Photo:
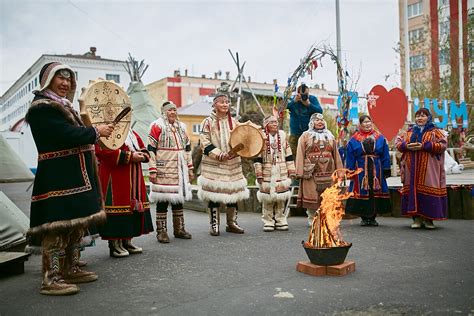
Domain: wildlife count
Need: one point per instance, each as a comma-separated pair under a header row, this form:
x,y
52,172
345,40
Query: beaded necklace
x,y
276,147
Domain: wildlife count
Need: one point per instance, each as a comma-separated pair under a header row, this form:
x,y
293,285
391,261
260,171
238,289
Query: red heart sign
x,y
388,110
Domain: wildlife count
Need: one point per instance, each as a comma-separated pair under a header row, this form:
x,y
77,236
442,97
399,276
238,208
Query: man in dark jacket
x,y
301,107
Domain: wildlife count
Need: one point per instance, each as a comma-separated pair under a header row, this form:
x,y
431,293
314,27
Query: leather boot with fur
x,y
178,225
72,273
131,248
161,228
116,250
214,220
232,226
52,283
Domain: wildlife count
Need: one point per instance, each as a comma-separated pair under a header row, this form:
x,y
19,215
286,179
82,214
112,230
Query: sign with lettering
x,y
445,111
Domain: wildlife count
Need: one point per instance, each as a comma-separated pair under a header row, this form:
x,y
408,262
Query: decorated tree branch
x,y
308,64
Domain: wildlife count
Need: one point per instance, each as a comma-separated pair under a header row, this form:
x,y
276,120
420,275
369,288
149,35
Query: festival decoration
x,y
388,109
310,62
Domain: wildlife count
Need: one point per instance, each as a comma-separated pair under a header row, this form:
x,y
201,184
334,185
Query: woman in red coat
x,y
125,197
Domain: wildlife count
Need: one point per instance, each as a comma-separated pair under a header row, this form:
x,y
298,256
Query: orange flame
x,y
325,230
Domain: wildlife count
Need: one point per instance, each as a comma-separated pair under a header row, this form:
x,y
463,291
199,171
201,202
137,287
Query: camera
x,y
303,88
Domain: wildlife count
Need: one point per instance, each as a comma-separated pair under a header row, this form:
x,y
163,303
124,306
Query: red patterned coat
x,y
124,191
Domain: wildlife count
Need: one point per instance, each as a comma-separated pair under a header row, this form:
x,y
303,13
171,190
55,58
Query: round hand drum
x,y
100,103
249,137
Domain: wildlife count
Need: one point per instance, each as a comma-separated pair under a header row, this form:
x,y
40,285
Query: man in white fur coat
x,y
274,169
221,179
171,170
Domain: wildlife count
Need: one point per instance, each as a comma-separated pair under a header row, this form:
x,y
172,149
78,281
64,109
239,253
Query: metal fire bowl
x,y
327,256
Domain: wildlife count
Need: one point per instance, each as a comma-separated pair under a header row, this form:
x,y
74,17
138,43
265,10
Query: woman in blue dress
x,y
368,149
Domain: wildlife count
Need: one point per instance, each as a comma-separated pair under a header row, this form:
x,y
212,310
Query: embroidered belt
x,y
316,156
65,152
371,156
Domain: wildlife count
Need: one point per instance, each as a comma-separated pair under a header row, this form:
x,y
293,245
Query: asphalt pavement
x,y
399,271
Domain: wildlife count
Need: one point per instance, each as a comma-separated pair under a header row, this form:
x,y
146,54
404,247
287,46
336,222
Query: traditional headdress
x,y
218,96
277,147
320,134
268,120
313,118
168,105
50,70
222,91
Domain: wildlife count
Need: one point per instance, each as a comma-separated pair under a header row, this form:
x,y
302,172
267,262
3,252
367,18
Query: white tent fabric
x,y
13,223
12,168
144,110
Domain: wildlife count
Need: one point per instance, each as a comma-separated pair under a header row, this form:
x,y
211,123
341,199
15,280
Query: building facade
x,y
15,101
192,116
184,90
434,45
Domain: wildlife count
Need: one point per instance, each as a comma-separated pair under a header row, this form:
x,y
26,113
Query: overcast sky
x,y
271,36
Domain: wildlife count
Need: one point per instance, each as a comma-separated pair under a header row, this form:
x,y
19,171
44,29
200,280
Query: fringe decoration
x,y
365,179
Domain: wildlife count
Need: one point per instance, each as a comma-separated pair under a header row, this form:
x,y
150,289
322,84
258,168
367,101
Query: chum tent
x,y
12,167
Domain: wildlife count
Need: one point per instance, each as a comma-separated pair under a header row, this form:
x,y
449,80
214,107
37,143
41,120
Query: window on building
x,y
443,3
417,62
444,56
76,75
444,28
414,9
415,35
196,129
36,81
113,77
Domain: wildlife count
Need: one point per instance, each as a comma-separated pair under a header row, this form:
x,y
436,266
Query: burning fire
x,y
325,232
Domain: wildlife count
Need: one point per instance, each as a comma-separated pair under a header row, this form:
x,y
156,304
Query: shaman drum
x,y
247,140
100,103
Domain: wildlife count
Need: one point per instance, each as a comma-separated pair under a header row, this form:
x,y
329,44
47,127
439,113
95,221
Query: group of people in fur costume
x,y
102,191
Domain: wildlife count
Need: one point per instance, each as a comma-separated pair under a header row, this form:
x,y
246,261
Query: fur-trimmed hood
x,y
40,101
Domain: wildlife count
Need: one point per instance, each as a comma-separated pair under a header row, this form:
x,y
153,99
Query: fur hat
x,y
49,70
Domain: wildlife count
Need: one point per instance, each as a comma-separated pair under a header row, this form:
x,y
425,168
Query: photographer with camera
x,y
301,107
